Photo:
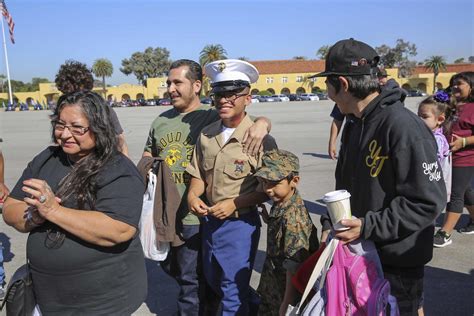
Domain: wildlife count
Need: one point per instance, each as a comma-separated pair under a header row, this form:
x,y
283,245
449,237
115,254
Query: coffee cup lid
x,y
336,196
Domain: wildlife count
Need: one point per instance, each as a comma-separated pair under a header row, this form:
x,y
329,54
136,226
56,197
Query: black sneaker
x,y
442,239
469,229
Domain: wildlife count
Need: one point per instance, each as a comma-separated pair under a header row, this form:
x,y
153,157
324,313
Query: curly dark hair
x,y
74,76
82,181
467,76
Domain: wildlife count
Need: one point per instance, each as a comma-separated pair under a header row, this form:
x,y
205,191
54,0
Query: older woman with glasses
x,y
80,201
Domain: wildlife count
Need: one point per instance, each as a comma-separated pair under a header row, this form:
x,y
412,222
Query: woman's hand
x,y
41,197
3,192
457,143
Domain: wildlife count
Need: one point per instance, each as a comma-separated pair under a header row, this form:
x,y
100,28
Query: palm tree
x,y
309,82
435,64
102,67
212,53
209,54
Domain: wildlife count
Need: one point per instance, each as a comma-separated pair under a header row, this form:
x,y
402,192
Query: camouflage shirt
x,y
291,238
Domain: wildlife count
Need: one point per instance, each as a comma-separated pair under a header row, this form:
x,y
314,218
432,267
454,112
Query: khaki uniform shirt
x,y
224,168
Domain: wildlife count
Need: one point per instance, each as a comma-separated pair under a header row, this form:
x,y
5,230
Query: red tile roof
x,y
456,68
288,66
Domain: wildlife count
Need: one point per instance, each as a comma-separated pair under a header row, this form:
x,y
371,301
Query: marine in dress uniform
x,y
220,169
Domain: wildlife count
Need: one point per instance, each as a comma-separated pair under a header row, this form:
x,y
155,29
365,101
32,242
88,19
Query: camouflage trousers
x,y
272,287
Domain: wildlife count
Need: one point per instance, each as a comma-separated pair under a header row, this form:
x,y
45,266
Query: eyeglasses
x,y
229,96
75,130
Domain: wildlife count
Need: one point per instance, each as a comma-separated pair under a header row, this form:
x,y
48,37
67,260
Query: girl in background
x,y
461,136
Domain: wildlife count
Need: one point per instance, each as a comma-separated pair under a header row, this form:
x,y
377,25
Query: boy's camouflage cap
x,y
277,164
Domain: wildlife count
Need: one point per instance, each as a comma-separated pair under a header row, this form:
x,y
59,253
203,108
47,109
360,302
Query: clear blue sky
x,y
48,32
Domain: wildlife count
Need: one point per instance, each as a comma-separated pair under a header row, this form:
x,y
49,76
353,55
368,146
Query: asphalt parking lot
x,y
300,127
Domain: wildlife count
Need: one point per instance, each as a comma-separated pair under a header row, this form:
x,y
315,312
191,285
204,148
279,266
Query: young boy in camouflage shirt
x,y
291,235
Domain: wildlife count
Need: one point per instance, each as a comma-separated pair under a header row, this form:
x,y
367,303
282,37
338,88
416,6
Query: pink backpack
x,y
354,286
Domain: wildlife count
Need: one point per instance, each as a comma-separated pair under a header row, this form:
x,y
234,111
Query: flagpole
x,y
6,62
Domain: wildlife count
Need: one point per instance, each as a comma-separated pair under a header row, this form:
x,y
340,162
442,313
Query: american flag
x,y
8,18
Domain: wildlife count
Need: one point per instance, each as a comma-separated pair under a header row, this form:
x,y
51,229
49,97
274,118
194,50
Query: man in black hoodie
x,y
388,164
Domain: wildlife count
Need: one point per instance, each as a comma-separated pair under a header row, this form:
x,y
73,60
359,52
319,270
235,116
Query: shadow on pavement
x,y
162,290
317,207
448,292
6,245
323,156
463,220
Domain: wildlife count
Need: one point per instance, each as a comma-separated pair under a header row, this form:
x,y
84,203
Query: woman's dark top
x,y
79,278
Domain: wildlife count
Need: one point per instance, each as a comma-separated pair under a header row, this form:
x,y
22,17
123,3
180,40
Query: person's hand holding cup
x,y
338,204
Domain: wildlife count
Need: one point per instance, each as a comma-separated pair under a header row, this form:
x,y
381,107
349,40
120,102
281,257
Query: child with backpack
x,y
291,235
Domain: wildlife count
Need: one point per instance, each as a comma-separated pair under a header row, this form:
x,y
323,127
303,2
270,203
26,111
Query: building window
x,y
299,78
284,79
269,79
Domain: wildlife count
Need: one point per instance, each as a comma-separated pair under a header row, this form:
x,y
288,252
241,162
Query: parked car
x,y
282,97
164,101
125,103
150,102
415,93
309,97
255,99
294,97
267,98
205,100
134,103
141,102
322,96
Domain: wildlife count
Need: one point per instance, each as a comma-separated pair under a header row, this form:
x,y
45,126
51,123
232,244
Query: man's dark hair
x,y
359,86
74,76
194,72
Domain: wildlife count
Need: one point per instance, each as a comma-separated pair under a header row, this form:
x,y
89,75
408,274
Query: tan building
x,y
276,76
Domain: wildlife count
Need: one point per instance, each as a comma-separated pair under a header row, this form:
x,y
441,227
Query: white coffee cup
x,y
338,204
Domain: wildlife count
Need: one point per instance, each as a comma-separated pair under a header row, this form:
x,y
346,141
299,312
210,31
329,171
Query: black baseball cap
x,y
350,58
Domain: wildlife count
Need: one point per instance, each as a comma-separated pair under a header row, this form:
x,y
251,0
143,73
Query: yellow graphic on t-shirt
x,y
173,154
374,161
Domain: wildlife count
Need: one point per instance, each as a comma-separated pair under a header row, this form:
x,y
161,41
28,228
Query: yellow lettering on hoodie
x,y
374,161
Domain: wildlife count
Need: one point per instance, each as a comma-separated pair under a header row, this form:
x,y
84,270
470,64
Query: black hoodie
x,y
388,163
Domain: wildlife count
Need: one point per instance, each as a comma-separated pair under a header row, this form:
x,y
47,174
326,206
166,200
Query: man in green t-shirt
x,y
172,137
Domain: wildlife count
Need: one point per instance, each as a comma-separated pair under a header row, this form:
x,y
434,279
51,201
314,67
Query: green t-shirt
x,y
172,137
